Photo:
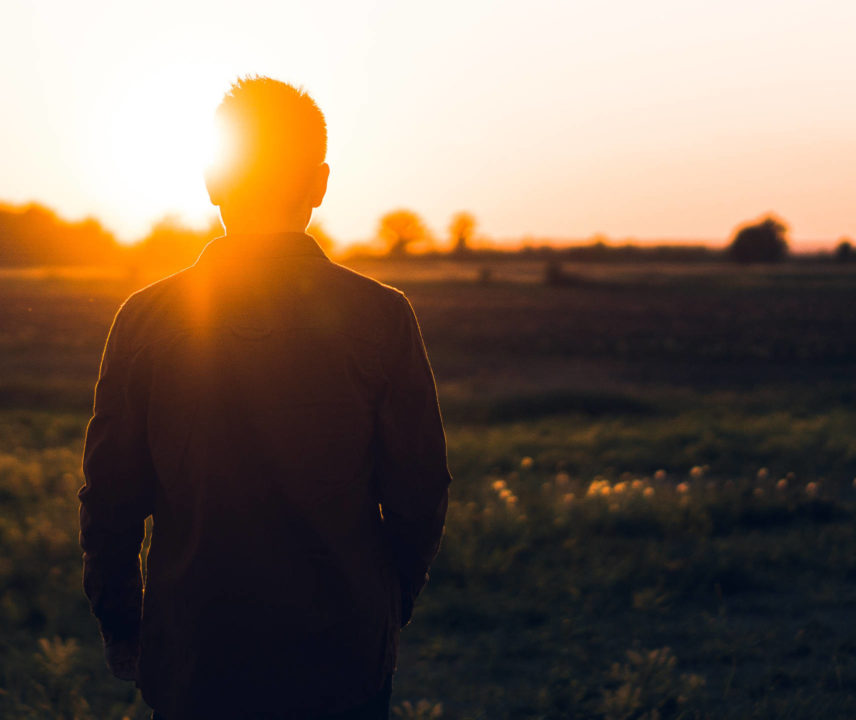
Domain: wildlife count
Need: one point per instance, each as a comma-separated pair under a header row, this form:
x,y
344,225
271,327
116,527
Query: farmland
x,y
653,503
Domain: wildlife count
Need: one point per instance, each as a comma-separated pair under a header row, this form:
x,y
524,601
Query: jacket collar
x,y
234,248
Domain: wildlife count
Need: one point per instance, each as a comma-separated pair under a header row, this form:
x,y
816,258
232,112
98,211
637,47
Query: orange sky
x,y
654,120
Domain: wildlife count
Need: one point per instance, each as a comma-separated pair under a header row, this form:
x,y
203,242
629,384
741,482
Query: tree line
x,y
34,235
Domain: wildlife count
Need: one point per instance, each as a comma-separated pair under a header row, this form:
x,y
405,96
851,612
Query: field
x,y
653,503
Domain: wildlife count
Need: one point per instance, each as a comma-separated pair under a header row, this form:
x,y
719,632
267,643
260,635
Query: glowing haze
x,y
654,120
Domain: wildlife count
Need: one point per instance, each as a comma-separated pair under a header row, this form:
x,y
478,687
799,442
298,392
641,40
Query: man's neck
x,y
258,223
252,228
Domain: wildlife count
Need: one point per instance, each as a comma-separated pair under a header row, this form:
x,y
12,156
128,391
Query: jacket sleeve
x,y
412,473
117,496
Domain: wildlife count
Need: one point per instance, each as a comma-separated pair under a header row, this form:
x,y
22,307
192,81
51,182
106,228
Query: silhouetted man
x,y
277,416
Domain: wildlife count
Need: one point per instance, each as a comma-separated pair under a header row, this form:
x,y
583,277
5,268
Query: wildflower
x,y
782,484
498,485
660,475
526,463
758,492
637,483
546,487
811,489
763,474
505,493
562,479
511,499
567,498
620,487
597,486
697,472
648,492
683,488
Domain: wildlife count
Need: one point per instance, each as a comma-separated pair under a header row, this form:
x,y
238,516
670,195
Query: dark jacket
x,y
277,416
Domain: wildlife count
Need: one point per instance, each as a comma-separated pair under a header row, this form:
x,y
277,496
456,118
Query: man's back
x,y
262,405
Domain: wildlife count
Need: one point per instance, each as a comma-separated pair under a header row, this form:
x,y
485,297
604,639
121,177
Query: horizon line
x,y
797,245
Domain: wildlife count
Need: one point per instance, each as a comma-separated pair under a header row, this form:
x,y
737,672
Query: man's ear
x,y
318,187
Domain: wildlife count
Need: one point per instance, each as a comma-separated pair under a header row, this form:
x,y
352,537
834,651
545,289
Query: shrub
x,y
761,242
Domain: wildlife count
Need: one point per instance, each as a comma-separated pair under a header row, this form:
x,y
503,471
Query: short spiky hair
x,y
277,130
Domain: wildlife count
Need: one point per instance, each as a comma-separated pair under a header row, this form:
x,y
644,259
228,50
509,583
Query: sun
x,y
155,144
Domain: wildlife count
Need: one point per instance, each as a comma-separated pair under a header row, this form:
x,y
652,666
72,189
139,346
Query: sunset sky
x,y
654,120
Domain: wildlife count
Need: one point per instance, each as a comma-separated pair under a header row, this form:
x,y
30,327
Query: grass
x,y
652,515
552,606
556,593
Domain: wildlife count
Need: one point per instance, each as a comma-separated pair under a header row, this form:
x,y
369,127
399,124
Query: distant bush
x,y
461,231
485,275
171,245
761,242
33,235
844,251
555,274
399,229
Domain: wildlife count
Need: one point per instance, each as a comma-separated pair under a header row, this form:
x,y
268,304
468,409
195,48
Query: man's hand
x,y
122,658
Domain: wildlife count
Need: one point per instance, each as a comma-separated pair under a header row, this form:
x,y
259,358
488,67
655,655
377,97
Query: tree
x,y
844,251
461,231
33,234
401,228
764,241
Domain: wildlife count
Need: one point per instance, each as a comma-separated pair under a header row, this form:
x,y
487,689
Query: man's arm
x,y
114,503
413,476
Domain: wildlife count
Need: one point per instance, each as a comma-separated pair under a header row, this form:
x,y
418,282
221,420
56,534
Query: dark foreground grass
x,y
556,594
575,580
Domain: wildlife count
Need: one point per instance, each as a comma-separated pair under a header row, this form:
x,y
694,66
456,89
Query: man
x,y
277,416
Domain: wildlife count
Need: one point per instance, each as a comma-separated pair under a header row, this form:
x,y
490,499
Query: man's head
x,y
273,145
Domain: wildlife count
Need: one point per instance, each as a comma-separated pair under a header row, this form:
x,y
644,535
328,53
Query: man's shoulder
x,y
140,310
375,310
358,284
152,294
169,304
